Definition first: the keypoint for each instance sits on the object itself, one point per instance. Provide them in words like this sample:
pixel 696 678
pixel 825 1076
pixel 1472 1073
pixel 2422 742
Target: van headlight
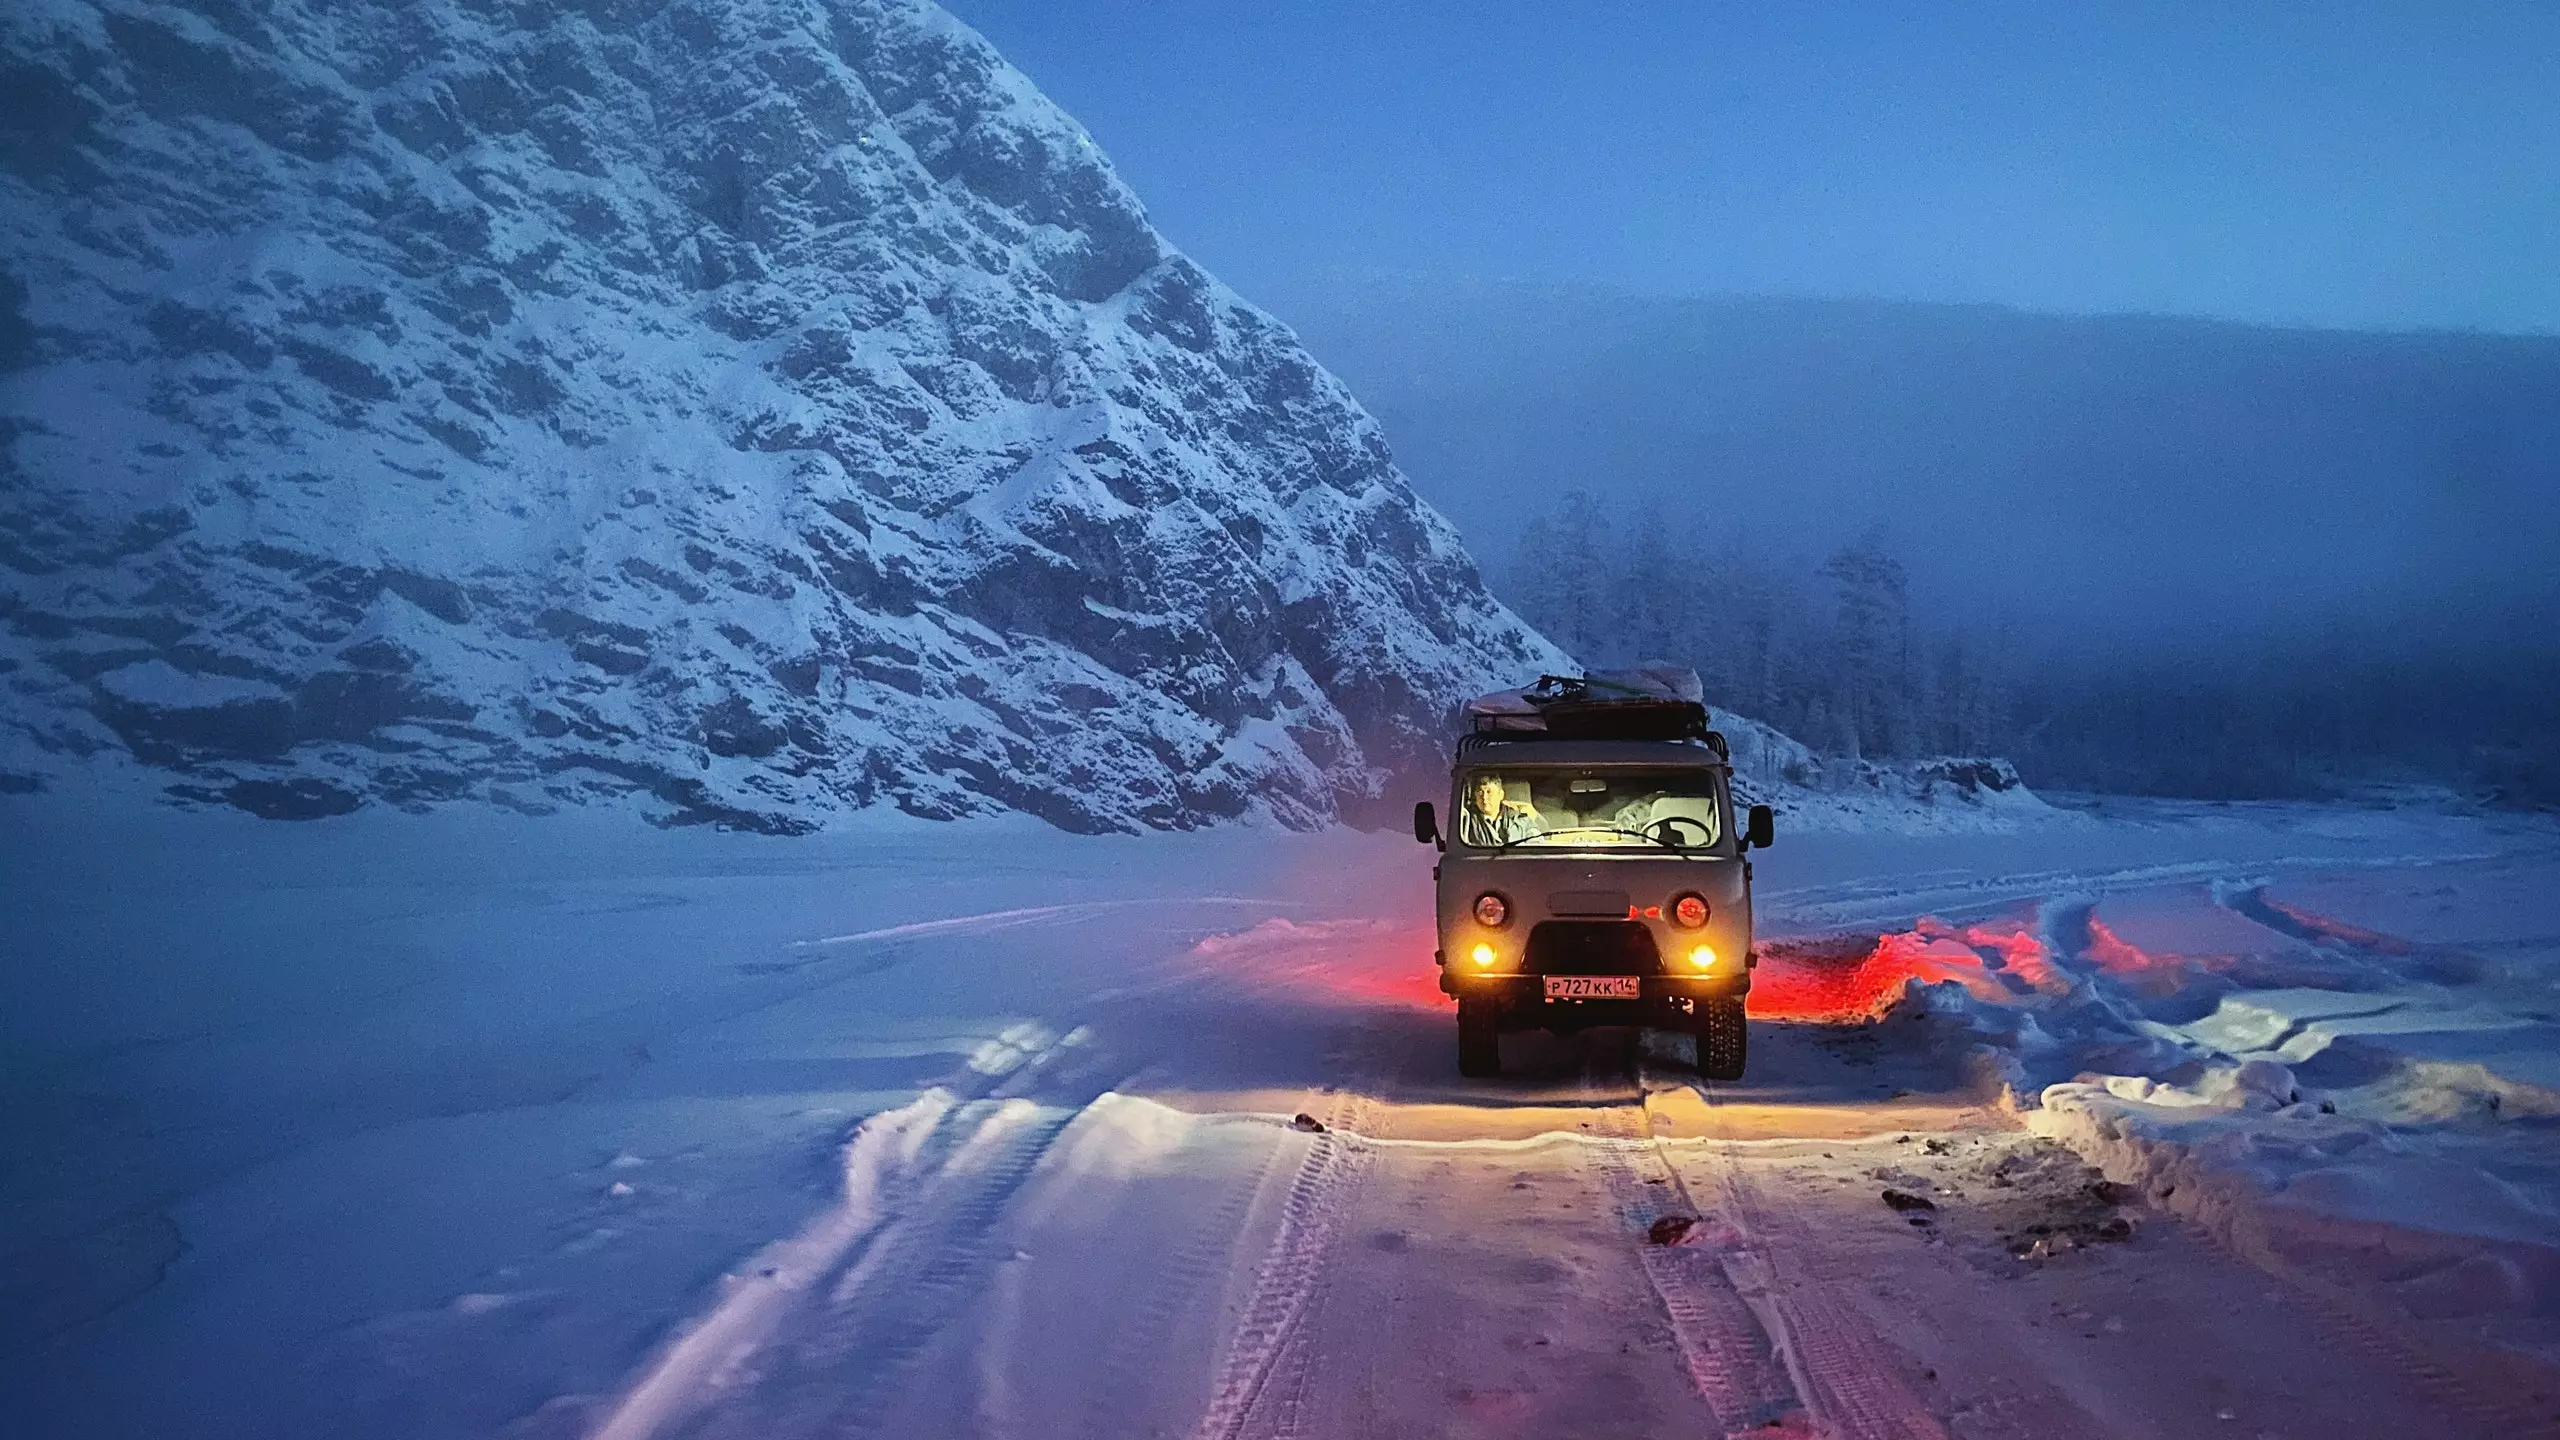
pixel 1492 911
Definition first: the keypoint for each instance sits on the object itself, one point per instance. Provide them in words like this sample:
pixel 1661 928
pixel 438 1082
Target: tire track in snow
pixel 925 1270
pixel 1897 897
pixel 1728 1354
pixel 705 1360
pixel 2396 959
pixel 2487 1404
pixel 923 1185
pixel 991 921
pixel 1262 1380
pixel 1847 1376
pixel 1854 902
pixel 1132 1360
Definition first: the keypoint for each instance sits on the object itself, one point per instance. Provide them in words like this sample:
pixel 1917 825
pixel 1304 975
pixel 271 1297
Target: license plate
pixel 1594 987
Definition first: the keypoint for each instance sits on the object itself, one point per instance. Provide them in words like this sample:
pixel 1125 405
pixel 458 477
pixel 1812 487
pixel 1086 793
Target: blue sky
pixel 2335 163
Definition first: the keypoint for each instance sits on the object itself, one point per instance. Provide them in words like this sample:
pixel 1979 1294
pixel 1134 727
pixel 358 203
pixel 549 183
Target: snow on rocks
pixel 763 408
pixel 1829 793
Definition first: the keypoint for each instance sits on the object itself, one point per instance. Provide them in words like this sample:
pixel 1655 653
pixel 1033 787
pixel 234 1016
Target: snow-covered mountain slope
pixel 765 406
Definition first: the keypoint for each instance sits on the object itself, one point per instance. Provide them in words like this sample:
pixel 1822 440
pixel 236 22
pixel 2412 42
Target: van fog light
pixel 1483 957
pixel 1702 958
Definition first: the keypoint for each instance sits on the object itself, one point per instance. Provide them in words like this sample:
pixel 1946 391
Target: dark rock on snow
pixel 1670 1229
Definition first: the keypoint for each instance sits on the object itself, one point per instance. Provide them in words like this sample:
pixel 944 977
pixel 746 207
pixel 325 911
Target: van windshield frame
pixel 1638 809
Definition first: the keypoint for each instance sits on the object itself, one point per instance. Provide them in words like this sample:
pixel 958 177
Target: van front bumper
pixel 1516 991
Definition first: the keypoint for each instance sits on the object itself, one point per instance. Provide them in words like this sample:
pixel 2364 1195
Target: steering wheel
pixel 1665 831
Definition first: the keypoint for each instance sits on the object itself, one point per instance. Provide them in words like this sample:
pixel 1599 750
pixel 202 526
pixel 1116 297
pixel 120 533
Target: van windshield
pixel 1579 808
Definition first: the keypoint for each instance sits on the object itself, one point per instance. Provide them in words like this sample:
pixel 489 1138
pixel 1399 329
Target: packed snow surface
pixel 2152 1121
pixel 763 407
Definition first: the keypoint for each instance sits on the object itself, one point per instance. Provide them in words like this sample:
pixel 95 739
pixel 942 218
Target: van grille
pixel 1592 947
pixel 1611 903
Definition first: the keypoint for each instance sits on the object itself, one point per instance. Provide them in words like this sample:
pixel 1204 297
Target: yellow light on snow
pixel 1703 958
pixel 1483 957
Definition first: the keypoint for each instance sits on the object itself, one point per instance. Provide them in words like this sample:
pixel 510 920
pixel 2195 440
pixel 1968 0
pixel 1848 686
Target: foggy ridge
pixel 2146 477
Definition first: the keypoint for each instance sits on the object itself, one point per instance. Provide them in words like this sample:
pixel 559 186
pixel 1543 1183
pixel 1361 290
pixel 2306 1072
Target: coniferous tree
pixel 1831 654
pixel 1581 587
pixel 1651 596
pixel 1870 644
pixel 1531 587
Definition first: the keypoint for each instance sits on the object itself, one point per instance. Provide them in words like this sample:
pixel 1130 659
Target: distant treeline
pixel 2307 716
pixel 1834 653
pixel 1831 654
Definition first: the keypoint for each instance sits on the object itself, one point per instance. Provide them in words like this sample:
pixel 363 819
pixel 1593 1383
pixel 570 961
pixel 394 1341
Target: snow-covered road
pixel 563 1127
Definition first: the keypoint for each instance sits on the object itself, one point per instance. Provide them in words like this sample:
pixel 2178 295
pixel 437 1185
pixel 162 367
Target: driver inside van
pixel 1491 817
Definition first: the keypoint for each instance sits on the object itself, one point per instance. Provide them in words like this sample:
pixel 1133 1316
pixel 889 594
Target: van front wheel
pixel 1724 1038
pixel 1479 1039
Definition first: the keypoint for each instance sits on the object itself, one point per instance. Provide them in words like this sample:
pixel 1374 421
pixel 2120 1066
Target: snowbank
pixel 2343 1103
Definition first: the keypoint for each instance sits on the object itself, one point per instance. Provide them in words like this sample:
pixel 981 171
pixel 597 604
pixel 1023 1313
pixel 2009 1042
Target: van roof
pixel 1537 750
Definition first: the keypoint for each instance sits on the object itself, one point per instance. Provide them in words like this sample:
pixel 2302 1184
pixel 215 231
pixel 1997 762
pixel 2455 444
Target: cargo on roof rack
pixel 1659 702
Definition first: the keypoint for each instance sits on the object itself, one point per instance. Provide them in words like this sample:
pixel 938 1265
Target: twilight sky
pixel 2341 163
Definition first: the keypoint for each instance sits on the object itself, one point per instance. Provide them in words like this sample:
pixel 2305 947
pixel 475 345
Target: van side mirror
pixel 1426 823
pixel 1759 829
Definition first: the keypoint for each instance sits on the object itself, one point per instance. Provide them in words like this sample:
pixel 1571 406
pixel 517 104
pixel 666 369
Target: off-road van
pixel 1593 873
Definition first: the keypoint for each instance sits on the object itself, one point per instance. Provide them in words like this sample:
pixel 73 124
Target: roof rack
pixel 1658 702
pixel 1713 739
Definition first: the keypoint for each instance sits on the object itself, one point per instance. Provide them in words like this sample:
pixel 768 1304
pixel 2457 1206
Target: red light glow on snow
pixel 1354 962
pixel 2323 927
pixel 2117 956
pixel 1853 980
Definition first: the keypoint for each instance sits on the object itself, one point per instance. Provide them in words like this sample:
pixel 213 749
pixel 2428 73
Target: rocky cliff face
pixel 765 406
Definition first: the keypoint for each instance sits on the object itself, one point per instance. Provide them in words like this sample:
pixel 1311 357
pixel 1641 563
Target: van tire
pixel 1724 1038
pixel 1479 1039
